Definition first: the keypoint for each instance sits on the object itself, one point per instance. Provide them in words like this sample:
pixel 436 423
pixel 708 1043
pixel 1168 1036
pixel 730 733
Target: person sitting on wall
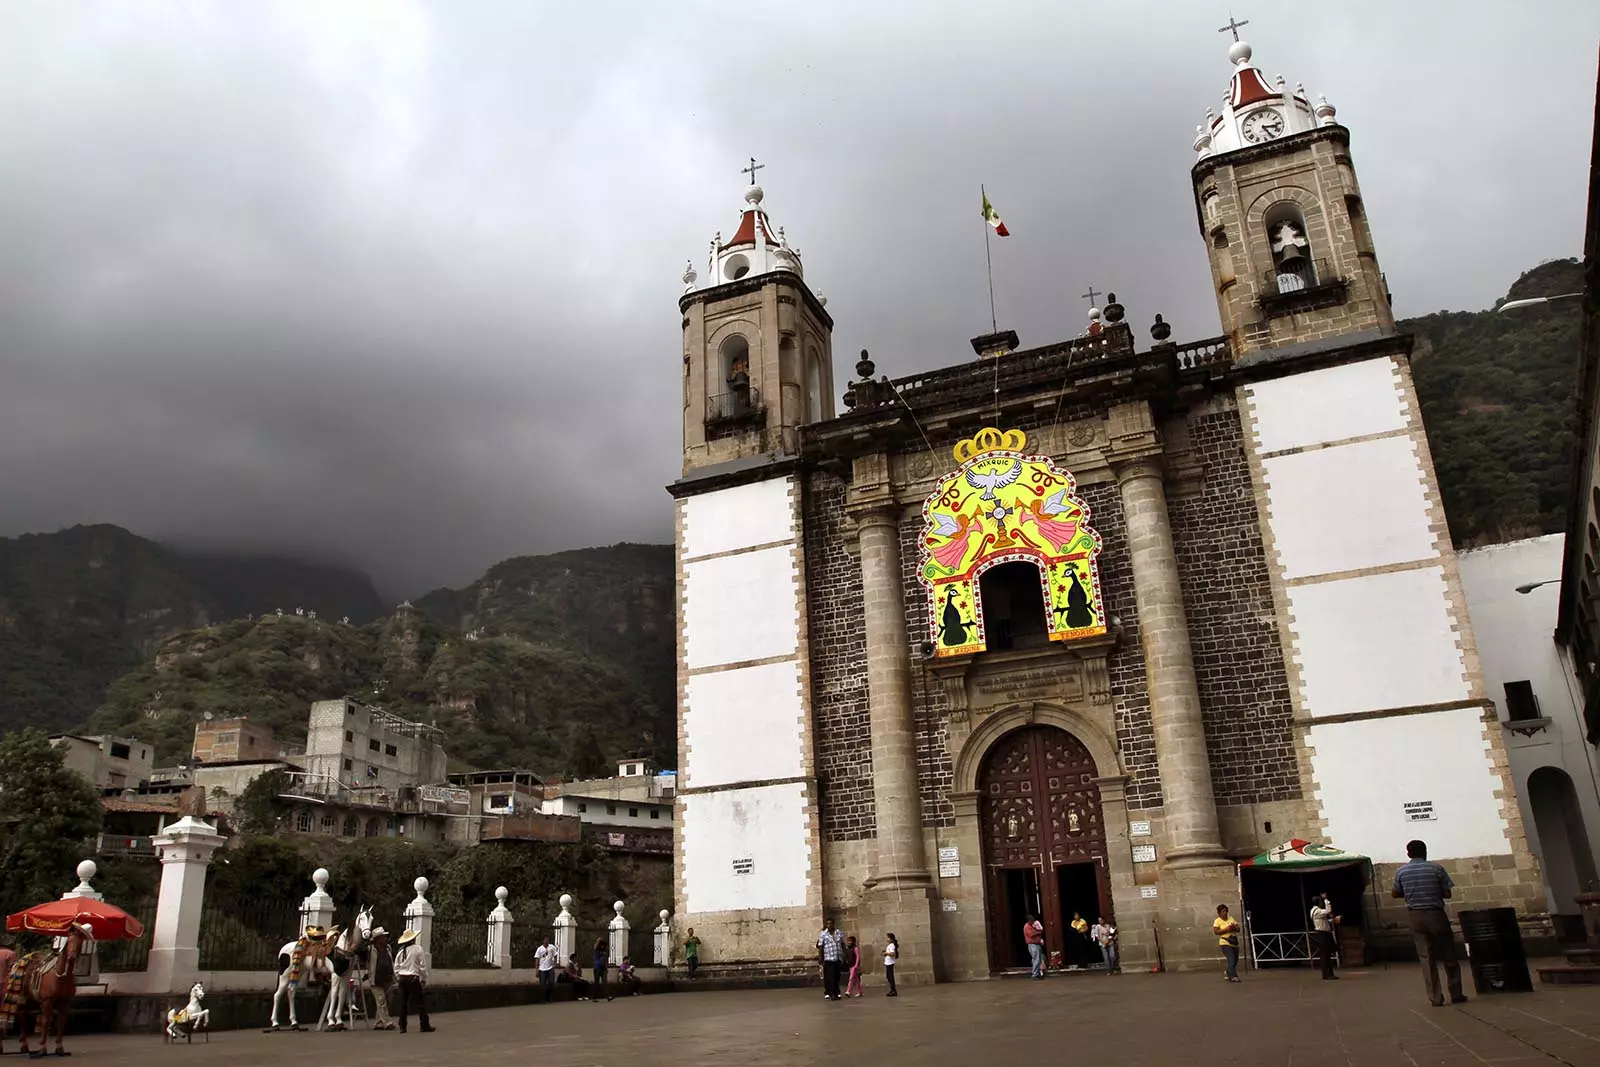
pixel 571 973
pixel 628 977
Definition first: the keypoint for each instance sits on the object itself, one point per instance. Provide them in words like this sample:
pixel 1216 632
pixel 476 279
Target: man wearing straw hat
pixel 411 970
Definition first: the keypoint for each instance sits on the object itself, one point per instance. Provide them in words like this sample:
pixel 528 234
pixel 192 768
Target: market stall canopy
pixel 106 922
pixel 1303 856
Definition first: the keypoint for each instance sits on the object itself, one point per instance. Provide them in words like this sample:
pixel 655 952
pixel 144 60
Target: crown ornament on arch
pixel 989 439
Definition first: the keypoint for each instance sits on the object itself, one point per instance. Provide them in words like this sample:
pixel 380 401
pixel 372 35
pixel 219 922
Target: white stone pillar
pixel 566 929
pixel 497 953
pixel 618 928
pixel 419 917
pixel 664 941
pixel 317 909
pixel 88 962
pixel 185 848
pixel 1193 835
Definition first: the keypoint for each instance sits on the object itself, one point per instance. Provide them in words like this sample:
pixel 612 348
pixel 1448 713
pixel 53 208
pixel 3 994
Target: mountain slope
pixel 80 607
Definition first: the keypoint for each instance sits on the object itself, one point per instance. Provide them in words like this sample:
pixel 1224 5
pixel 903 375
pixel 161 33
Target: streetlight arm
pixel 1512 305
pixel 1531 586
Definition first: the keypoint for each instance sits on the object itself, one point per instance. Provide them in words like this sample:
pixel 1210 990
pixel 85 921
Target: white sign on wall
pixel 1419 811
pixel 744 865
pixel 1144 853
pixel 949 862
pixel 948 905
pixel 1148 892
pixel 1139 828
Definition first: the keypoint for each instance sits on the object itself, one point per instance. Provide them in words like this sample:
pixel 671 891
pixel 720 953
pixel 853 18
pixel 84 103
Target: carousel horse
pixel 339 959
pixel 185 1021
pixel 42 984
pixel 301 958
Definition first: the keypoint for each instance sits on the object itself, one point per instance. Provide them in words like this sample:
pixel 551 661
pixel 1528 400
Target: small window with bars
pixel 1521 704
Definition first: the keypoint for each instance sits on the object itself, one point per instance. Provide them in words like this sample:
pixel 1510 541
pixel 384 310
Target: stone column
pixel 419 917
pixel 317 909
pixel 566 929
pixel 1193 836
pixel 185 848
pixel 618 930
pixel 900 892
pixel 497 952
pixel 664 940
pixel 88 971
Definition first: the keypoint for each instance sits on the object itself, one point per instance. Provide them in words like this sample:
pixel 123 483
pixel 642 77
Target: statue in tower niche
pixel 739 384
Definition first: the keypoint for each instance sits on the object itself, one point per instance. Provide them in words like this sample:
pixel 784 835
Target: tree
pixel 257 806
pixel 49 817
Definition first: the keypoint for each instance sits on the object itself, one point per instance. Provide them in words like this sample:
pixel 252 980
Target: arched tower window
pixel 735 362
pixel 813 386
pixel 1290 247
pixel 1013 606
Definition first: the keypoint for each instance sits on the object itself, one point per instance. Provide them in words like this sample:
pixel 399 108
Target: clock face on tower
pixel 1262 125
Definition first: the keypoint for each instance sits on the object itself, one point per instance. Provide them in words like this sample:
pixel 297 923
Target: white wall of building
pixel 1333 404
pixel 744 726
pixel 1515 643
pixel 759 513
pixel 741 607
pixel 608 811
pixel 745 849
pixel 1368 771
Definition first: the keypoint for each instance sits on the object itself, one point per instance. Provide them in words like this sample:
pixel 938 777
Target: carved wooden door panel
pixel 1041 809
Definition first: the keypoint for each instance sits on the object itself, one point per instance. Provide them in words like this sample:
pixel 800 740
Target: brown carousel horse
pixel 42 985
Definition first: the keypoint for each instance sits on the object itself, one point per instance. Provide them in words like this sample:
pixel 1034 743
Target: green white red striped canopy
pixel 1298 855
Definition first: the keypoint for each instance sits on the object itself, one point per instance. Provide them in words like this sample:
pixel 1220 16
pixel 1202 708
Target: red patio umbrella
pixel 106 921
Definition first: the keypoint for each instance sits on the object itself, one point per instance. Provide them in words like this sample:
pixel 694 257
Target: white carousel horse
pixel 299 961
pixel 191 1018
pixel 340 962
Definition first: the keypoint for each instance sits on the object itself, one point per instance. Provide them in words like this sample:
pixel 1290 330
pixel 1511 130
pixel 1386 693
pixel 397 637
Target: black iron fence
pixel 248 936
pixel 459 944
pixel 130 955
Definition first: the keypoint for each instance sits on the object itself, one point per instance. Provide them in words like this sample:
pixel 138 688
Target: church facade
pixel 1074 629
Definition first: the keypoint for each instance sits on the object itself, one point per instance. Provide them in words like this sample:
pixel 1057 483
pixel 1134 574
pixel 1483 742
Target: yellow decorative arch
pixel 1002 505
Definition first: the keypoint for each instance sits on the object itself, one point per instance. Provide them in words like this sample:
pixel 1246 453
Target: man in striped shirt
pixel 1425 887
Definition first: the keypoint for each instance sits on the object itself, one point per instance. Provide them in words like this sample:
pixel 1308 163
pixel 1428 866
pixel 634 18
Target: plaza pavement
pixel 1369 1017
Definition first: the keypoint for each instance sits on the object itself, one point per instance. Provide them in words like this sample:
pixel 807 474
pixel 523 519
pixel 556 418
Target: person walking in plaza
pixel 411 971
pixel 1322 923
pixel 830 953
pixel 1104 934
pixel 1226 927
pixel 1033 937
pixel 602 962
pixel 1078 939
pixel 545 956
pixel 852 962
pixel 891 956
pixel 691 952
pixel 1425 886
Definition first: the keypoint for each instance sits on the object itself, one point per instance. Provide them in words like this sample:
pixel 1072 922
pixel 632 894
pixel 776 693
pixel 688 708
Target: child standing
pixel 891 953
pixel 852 960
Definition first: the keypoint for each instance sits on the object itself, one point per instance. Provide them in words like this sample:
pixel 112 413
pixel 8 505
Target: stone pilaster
pixel 185 848
pixel 1193 836
pixel 900 893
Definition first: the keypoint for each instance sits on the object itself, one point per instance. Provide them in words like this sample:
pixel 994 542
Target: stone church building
pixel 1074 628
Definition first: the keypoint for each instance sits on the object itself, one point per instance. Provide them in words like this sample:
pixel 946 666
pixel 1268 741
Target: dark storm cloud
pixel 396 284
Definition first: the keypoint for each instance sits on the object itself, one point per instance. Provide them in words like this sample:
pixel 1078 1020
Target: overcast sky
pixel 396 283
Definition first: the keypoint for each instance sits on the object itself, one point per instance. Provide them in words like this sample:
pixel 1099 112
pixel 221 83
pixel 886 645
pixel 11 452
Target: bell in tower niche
pixel 1289 246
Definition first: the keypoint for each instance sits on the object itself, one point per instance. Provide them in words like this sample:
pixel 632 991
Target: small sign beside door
pixel 948 905
pixel 744 866
pixel 1420 811
pixel 1139 828
pixel 949 862
pixel 1148 892
pixel 1144 853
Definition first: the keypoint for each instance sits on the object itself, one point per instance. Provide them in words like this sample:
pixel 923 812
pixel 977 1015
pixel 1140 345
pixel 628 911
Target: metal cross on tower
pixel 752 168
pixel 1233 26
pixel 1091 296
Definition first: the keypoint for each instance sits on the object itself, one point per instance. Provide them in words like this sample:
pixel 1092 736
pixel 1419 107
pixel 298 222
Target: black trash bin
pixel 1494 951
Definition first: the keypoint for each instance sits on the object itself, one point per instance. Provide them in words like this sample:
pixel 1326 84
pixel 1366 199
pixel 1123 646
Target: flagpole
pixel 988 259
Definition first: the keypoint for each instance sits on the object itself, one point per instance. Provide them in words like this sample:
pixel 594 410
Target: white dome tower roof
pixel 755 248
pixel 1256 109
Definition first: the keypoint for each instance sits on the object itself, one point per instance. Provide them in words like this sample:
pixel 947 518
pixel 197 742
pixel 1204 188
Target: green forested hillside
pixel 560 663
pixel 1499 394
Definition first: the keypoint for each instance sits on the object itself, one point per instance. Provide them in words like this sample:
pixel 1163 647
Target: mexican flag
pixel 992 217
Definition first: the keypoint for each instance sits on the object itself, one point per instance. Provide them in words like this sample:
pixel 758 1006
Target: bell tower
pixel 1282 216
pixel 757 345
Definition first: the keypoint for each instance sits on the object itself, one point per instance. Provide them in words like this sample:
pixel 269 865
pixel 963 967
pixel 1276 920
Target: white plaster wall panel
pixel 742 607
pixel 744 849
pixel 759 513
pixel 744 725
pixel 1349 507
pixel 1332 404
pixel 1367 771
pixel 1378 641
